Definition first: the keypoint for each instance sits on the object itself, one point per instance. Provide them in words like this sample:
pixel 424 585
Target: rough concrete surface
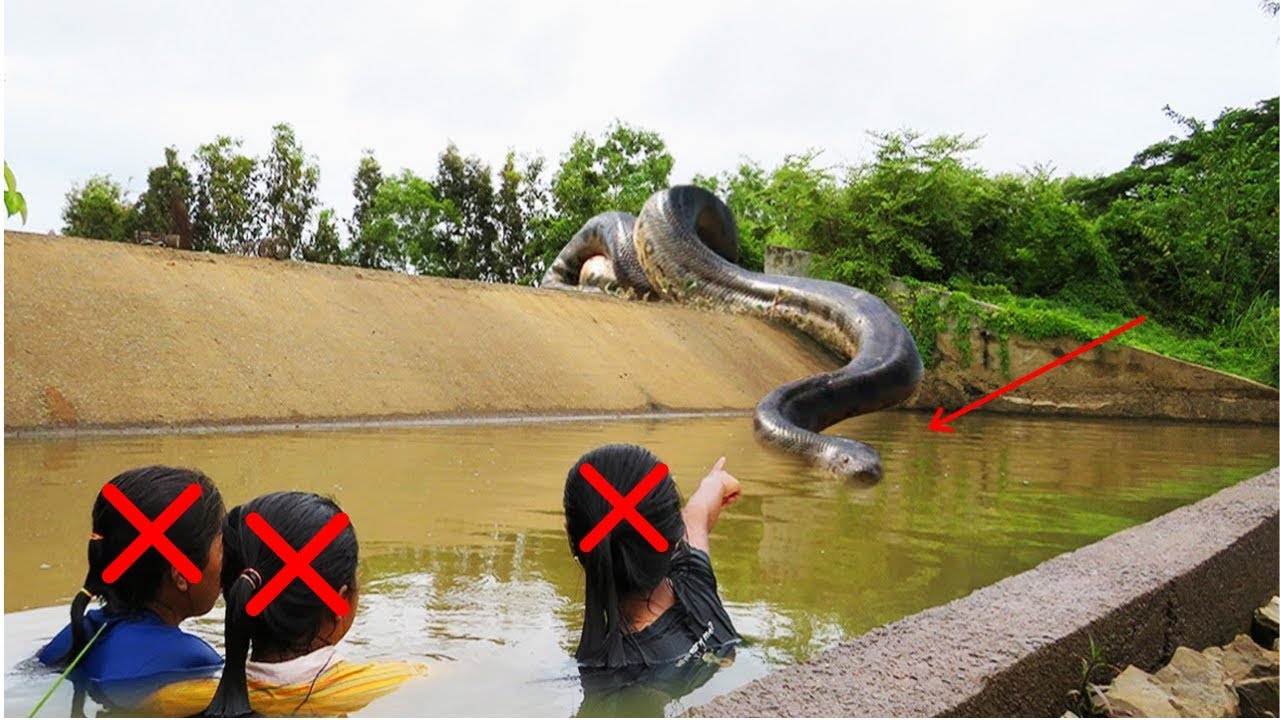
pixel 1108 381
pixel 786 261
pixel 1191 577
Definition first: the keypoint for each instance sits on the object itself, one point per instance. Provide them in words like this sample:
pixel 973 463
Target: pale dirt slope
pixel 112 334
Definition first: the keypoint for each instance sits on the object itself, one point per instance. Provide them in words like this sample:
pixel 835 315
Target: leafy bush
pixel 98 209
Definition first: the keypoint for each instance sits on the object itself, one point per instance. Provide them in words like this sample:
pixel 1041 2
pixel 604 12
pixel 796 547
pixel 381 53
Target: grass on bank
pixel 1246 348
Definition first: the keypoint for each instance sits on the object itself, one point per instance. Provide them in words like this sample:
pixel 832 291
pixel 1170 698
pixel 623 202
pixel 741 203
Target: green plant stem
pixel 65 673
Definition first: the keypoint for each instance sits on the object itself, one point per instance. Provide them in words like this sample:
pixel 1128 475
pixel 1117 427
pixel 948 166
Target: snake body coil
pixel 685 244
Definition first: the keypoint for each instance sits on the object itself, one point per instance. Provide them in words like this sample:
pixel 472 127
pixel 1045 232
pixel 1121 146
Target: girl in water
pixel 649 616
pixel 137 645
pixel 284 661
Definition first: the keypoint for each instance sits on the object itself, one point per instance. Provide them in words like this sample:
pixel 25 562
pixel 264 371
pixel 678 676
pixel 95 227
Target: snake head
pixel 858 463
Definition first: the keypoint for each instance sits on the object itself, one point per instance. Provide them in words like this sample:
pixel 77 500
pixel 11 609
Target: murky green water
pixel 464 563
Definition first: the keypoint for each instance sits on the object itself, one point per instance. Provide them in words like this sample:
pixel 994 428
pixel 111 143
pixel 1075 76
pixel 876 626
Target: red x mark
pixel 624 508
pixel 297 564
pixel 152 533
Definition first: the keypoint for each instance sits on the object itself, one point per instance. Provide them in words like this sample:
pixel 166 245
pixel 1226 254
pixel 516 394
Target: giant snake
pixel 684 248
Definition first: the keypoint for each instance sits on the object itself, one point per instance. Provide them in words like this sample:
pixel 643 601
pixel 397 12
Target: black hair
pixel 624 562
pixel 292 621
pixel 151 490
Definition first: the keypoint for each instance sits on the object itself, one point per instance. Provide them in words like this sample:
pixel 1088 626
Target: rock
pixel 1266 623
pixel 1191 685
pixel 1269 614
pixel 1197 685
pixel 1259 697
pixel 1239 678
pixel 1136 694
pixel 1255 673
pixel 1243 659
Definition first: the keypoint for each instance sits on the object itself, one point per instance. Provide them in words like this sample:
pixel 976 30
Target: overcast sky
pixel 103 87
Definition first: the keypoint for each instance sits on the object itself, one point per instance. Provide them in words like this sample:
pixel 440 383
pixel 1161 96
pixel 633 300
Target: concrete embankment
pixel 1111 380
pixel 104 334
pixel 110 335
pixel 1189 578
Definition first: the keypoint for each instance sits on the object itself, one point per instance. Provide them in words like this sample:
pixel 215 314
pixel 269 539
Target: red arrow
pixel 939 423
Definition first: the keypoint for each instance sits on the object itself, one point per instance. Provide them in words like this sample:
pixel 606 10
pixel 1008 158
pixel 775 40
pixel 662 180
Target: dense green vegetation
pixel 1186 234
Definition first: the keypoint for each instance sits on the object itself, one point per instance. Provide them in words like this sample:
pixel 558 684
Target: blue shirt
pixel 137 654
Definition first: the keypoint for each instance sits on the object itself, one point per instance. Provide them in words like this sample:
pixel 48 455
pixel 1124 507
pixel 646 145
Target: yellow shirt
pixel 316 684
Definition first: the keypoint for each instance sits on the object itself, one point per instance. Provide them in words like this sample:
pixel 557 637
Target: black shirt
pixel 680 650
pixel 695 625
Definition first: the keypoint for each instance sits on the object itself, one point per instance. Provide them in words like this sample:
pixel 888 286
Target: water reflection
pixel 465 563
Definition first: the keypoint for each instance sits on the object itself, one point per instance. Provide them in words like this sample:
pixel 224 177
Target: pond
pixel 465 565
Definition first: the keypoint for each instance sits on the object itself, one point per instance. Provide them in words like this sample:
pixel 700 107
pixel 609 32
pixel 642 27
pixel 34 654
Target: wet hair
pixel 624 563
pixel 151 490
pixel 292 621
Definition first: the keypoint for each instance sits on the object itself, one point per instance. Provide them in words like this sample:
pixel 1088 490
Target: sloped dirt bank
pixel 102 334
pixel 109 335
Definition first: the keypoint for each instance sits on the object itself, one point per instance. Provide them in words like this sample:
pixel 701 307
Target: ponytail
pixel 232 696
pixel 291 622
pixel 601 641
pixel 93 587
pixel 79 636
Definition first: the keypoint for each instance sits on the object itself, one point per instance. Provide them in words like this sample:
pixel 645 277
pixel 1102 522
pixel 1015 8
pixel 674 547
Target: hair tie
pixel 94 536
pixel 254 578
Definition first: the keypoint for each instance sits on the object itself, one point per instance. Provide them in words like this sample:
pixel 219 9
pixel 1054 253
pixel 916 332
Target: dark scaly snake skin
pixel 609 235
pixel 685 242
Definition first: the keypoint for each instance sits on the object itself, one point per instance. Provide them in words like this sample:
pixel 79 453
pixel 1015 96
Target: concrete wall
pixel 1108 381
pixel 1191 577
pixel 101 334
pixel 780 260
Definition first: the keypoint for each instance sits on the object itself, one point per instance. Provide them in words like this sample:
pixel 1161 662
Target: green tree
pixel 467 244
pixel 920 204
pixel 288 194
pixel 617 172
pixel 1036 243
pixel 324 245
pixel 404 228
pixel 510 222
pixel 536 202
pixel 788 206
pixel 520 215
pixel 97 209
pixel 365 251
pixel 164 207
pixel 1193 225
pixel 226 198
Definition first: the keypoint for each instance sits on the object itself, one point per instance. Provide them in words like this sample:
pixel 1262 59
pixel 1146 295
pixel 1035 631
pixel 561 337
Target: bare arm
pixel 716 490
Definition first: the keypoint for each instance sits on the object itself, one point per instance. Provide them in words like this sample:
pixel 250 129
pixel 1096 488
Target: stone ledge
pixel 1013 648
